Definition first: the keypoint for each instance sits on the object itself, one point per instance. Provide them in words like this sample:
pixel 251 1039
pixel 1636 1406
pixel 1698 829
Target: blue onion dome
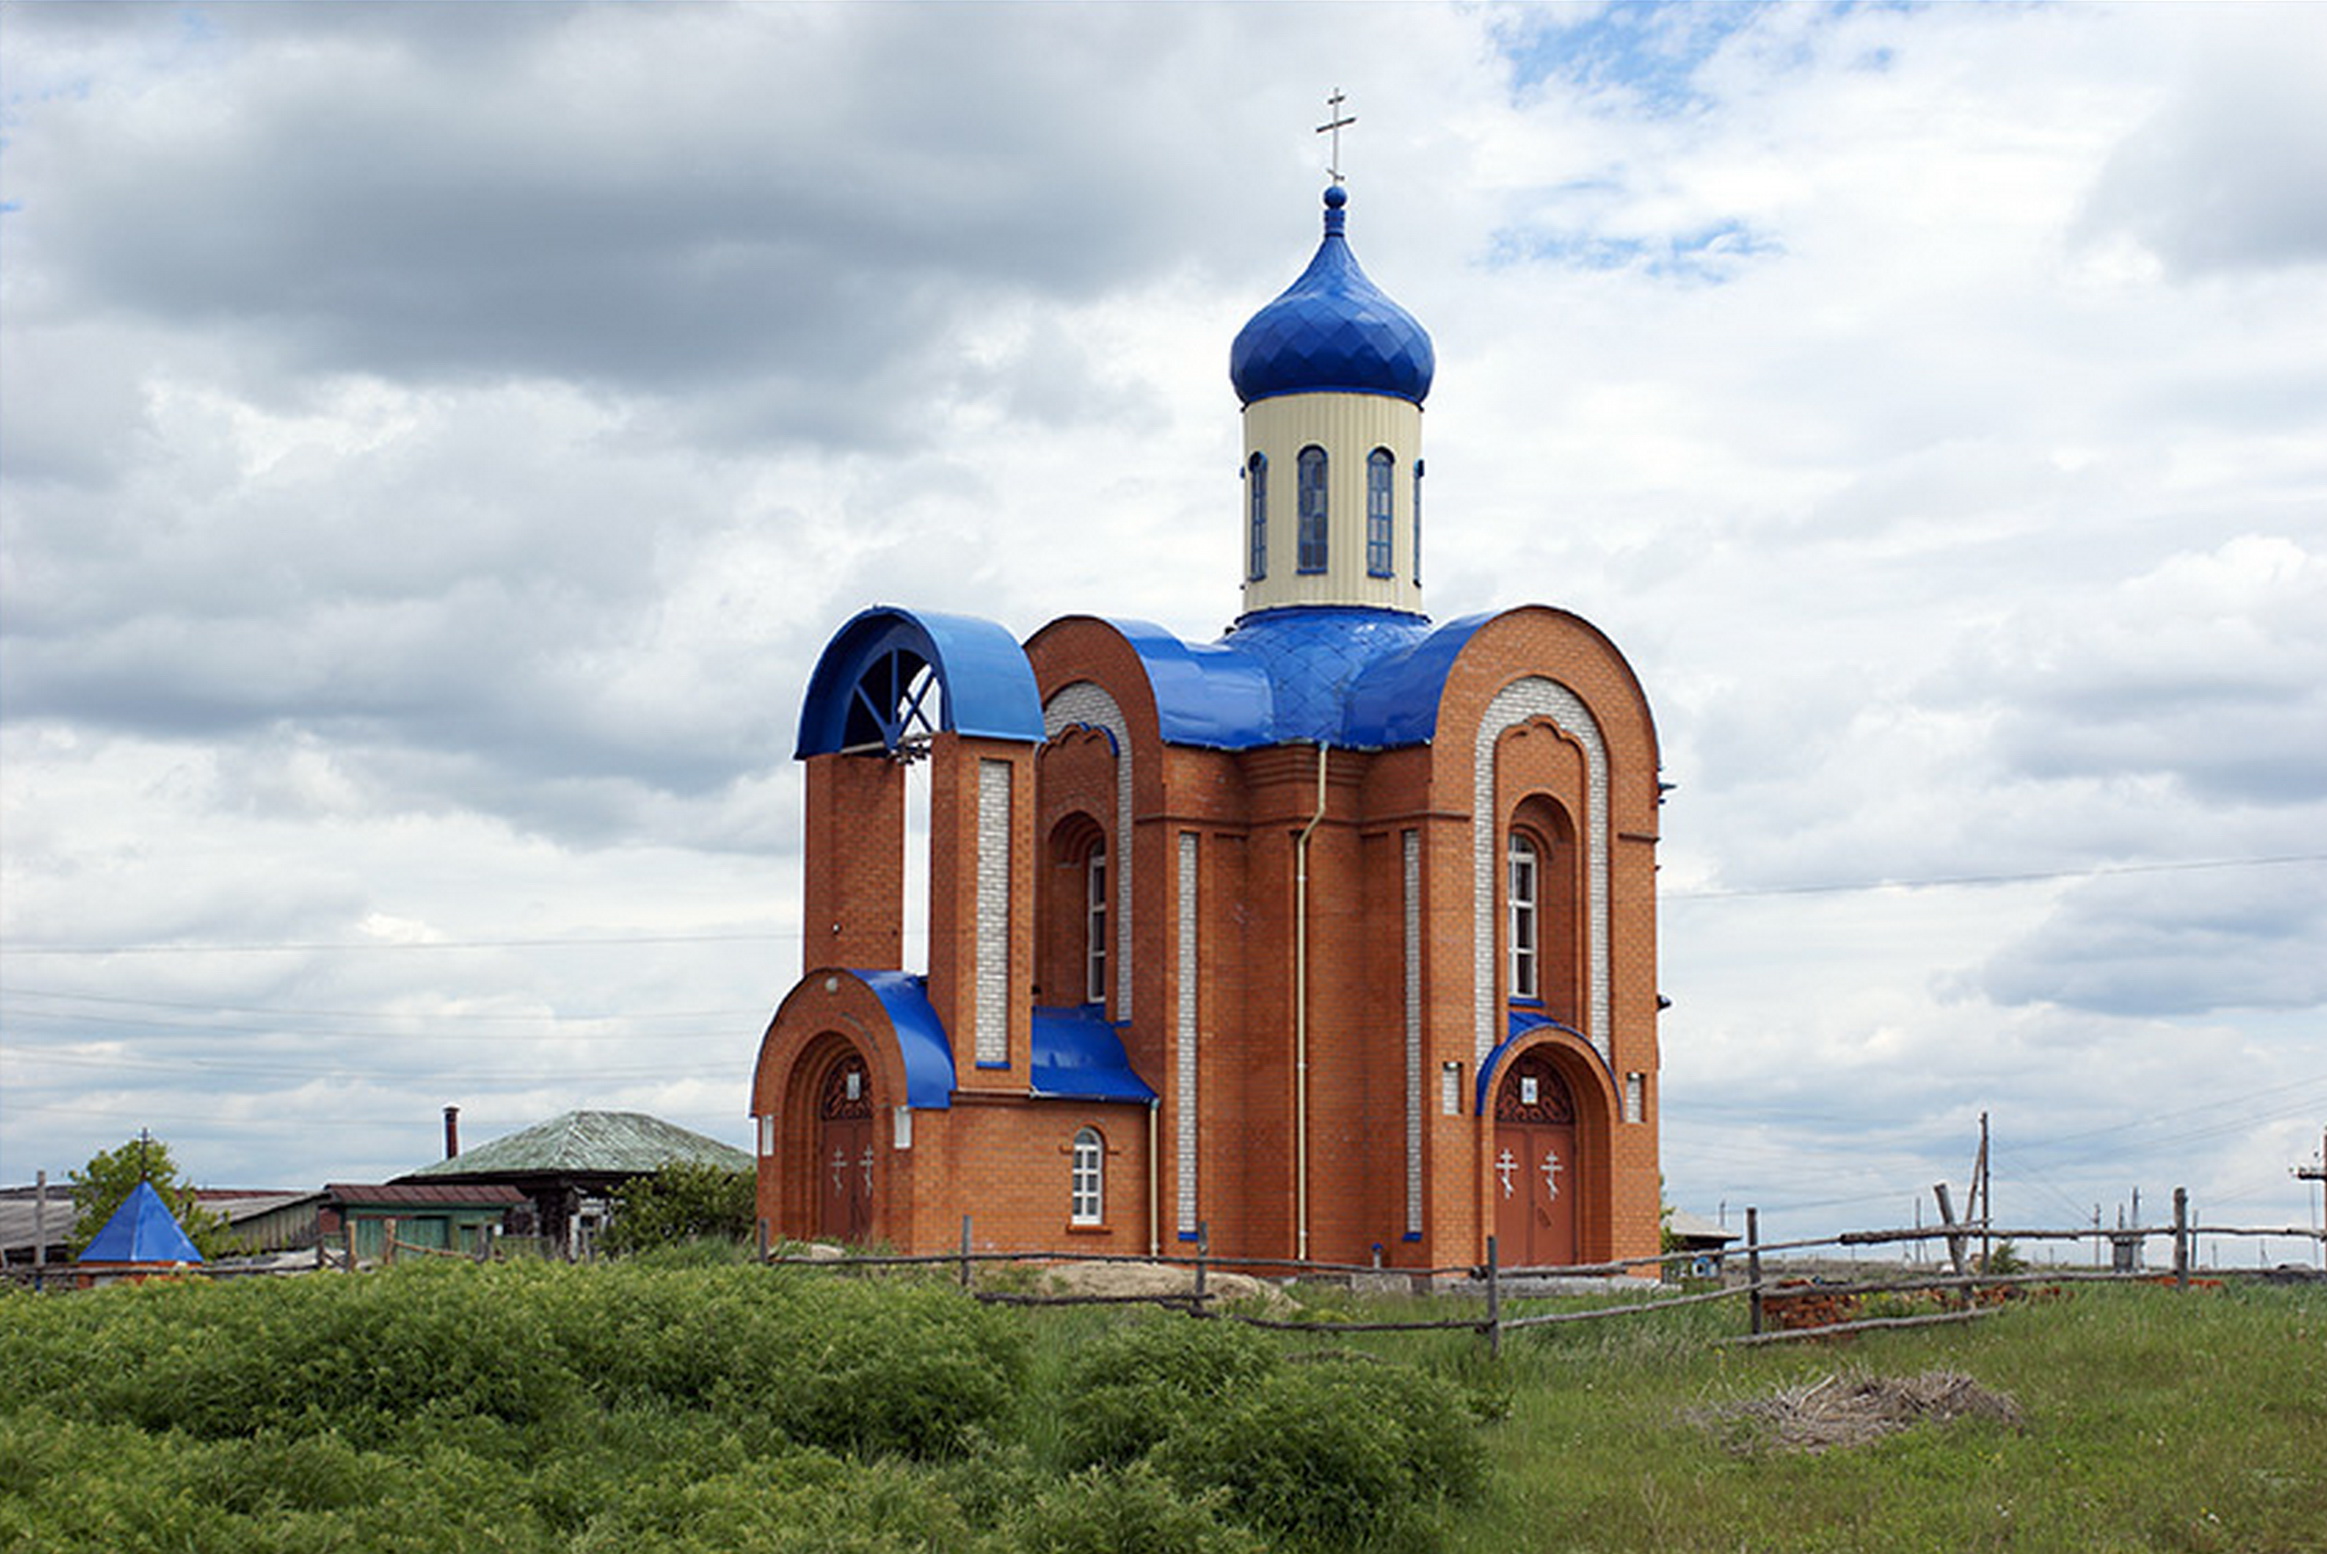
pixel 1332 331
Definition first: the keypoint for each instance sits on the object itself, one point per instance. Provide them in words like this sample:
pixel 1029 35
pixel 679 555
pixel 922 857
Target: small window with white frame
pixel 1095 924
pixel 1525 879
pixel 1087 1190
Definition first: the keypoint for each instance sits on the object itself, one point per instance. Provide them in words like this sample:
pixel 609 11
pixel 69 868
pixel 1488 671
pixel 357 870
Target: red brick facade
pixel 1294 1153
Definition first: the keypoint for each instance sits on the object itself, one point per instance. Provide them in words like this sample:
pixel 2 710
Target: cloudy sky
pixel 436 440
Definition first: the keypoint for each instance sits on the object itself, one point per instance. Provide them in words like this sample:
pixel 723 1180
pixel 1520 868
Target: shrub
pixel 1334 1455
pixel 1134 1385
pixel 807 1503
pixel 684 1201
pixel 1137 1511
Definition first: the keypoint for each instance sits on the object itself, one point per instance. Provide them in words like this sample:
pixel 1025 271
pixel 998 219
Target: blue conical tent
pixel 142 1230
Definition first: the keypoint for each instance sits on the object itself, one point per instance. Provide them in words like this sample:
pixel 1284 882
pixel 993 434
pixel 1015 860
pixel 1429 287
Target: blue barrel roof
pixel 1332 331
pixel 861 694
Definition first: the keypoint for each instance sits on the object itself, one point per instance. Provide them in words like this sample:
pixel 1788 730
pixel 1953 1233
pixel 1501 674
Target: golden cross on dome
pixel 1334 122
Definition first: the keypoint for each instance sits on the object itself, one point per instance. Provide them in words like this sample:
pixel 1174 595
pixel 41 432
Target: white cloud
pixel 435 443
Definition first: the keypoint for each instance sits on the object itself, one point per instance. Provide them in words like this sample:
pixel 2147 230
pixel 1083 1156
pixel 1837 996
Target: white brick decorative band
pixel 1514 704
pixel 992 1039
pixel 1083 702
pixel 1185 1098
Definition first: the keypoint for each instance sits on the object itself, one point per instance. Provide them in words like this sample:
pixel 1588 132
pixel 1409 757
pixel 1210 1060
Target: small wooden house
pixel 568 1169
pixel 369 1220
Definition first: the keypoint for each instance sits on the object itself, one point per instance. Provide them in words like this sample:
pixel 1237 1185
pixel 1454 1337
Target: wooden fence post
pixel 1955 1243
pixel 1494 1302
pixel 2181 1238
pixel 965 1251
pixel 1203 1251
pixel 1753 1267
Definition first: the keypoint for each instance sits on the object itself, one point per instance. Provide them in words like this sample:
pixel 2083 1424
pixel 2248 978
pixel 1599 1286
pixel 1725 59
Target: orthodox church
pixel 1332 940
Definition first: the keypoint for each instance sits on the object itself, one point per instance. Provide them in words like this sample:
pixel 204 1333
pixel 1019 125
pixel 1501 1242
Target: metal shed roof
pixel 589 1143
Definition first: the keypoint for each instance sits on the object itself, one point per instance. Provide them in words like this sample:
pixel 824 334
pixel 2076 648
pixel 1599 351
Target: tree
pixel 684 1201
pixel 113 1174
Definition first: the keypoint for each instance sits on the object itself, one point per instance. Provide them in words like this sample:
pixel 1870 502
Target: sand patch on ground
pixel 1151 1280
pixel 1852 1410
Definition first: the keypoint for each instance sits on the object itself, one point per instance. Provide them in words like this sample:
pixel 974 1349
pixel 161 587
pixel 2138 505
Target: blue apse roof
pixel 1078 1055
pixel 1521 1022
pixel 858 696
pixel 1343 675
pixel 142 1230
pixel 1332 331
pixel 921 1037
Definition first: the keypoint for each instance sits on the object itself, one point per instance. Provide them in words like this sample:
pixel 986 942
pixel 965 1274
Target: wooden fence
pixel 1779 1306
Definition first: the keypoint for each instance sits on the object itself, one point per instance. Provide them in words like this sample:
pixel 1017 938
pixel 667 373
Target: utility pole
pixel 1975 1209
pixel 2317 1172
pixel 1987 1194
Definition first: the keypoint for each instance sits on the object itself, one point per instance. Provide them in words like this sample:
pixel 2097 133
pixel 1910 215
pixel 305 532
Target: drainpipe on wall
pixel 1154 1184
pixel 1301 1017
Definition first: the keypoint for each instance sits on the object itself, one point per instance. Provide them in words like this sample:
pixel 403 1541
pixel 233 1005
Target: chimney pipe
pixel 452 1131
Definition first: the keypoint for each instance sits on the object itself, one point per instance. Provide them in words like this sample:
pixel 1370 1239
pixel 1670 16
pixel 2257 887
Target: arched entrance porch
pixel 1535 1166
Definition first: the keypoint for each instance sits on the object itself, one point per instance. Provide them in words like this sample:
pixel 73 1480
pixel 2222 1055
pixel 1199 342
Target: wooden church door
pixel 844 1153
pixel 1534 1166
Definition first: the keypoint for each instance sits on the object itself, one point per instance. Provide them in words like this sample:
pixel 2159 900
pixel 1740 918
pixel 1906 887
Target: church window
pixel 1311 480
pixel 1414 522
pixel 1525 880
pixel 1095 913
pixel 1256 498
pixel 1380 471
pixel 1087 1185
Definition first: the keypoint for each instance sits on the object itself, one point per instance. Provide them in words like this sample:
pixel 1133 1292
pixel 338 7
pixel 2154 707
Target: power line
pixel 1941 881
pixel 357 1014
pixel 325 947
pixel 627 940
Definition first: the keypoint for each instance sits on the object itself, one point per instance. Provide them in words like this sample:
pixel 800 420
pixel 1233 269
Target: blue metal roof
pixel 1332 331
pixel 1344 675
pixel 1204 695
pixel 1394 701
pixel 1520 1023
pixel 142 1230
pixel 921 1039
pixel 860 696
pixel 1078 1055
pixel 1313 654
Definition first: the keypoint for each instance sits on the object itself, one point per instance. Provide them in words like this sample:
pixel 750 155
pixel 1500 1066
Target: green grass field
pixel 656 1405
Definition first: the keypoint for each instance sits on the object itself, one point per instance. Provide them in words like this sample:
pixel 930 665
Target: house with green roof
pixel 569 1167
